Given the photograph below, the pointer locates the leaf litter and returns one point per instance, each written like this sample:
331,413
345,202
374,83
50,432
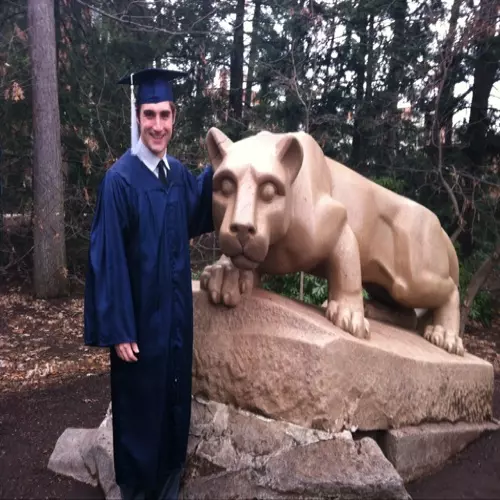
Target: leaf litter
41,341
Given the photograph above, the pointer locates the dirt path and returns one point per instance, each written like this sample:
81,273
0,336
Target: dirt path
473,474
31,421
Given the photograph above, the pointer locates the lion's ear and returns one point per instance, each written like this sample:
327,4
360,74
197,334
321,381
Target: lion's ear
217,143
290,154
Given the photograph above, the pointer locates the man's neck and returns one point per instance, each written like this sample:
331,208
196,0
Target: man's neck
147,156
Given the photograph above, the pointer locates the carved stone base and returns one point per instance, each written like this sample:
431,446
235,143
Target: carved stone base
285,360
286,392
237,454
418,451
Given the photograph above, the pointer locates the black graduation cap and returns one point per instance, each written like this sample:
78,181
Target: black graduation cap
154,85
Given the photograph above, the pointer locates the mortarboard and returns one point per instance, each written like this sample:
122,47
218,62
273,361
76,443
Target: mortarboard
154,85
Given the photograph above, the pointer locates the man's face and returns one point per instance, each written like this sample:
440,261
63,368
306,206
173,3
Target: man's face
156,122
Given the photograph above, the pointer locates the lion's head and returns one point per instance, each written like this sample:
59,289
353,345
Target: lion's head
252,192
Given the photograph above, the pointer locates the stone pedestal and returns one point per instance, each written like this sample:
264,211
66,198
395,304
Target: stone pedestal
418,451
285,360
281,397
236,454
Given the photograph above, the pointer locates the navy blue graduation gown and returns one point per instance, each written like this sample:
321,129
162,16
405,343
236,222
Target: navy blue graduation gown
138,289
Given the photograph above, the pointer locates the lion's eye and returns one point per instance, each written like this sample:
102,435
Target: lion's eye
268,191
227,187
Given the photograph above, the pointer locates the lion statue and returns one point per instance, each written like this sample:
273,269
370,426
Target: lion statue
281,206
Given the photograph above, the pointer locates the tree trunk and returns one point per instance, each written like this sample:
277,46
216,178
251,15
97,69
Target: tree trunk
329,59
357,155
296,109
450,64
253,55
237,56
486,64
485,70
398,12
201,75
1,212
476,283
50,273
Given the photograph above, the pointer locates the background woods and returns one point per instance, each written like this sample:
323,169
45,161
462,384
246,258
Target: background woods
405,92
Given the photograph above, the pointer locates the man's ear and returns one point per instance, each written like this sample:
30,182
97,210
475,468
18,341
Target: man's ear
173,109
218,144
290,154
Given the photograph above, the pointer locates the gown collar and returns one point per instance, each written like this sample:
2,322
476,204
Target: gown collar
147,157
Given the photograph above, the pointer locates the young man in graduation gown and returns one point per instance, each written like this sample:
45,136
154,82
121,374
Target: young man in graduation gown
138,297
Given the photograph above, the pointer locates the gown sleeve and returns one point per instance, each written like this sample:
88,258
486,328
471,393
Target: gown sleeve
199,200
108,305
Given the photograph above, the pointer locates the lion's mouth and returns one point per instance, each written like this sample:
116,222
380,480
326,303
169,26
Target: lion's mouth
241,261
247,257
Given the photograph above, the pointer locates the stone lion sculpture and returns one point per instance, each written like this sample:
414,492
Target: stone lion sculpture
281,206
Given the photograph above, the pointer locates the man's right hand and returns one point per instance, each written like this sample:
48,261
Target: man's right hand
127,351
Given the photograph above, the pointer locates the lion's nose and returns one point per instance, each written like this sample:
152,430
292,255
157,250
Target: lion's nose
243,231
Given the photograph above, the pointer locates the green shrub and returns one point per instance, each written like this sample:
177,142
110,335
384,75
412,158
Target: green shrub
391,183
195,275
315,289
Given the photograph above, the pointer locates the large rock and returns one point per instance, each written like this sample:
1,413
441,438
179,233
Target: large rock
70,453
285,360
87,456
235,454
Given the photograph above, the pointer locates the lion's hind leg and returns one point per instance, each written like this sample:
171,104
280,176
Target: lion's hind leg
425,277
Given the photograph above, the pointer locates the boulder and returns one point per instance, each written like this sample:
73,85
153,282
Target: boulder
87,456
284,360
236,454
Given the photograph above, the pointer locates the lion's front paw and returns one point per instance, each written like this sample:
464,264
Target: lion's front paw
225,283
446,339
348,319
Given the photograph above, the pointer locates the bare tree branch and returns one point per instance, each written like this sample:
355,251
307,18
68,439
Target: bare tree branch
446,62
142,27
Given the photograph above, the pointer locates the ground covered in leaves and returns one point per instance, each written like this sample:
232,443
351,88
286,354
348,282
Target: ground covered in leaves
50,381
41,341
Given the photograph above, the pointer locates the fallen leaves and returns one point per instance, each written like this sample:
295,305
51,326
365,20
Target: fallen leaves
484,342
41,342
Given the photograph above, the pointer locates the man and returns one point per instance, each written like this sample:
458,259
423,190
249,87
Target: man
138,297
